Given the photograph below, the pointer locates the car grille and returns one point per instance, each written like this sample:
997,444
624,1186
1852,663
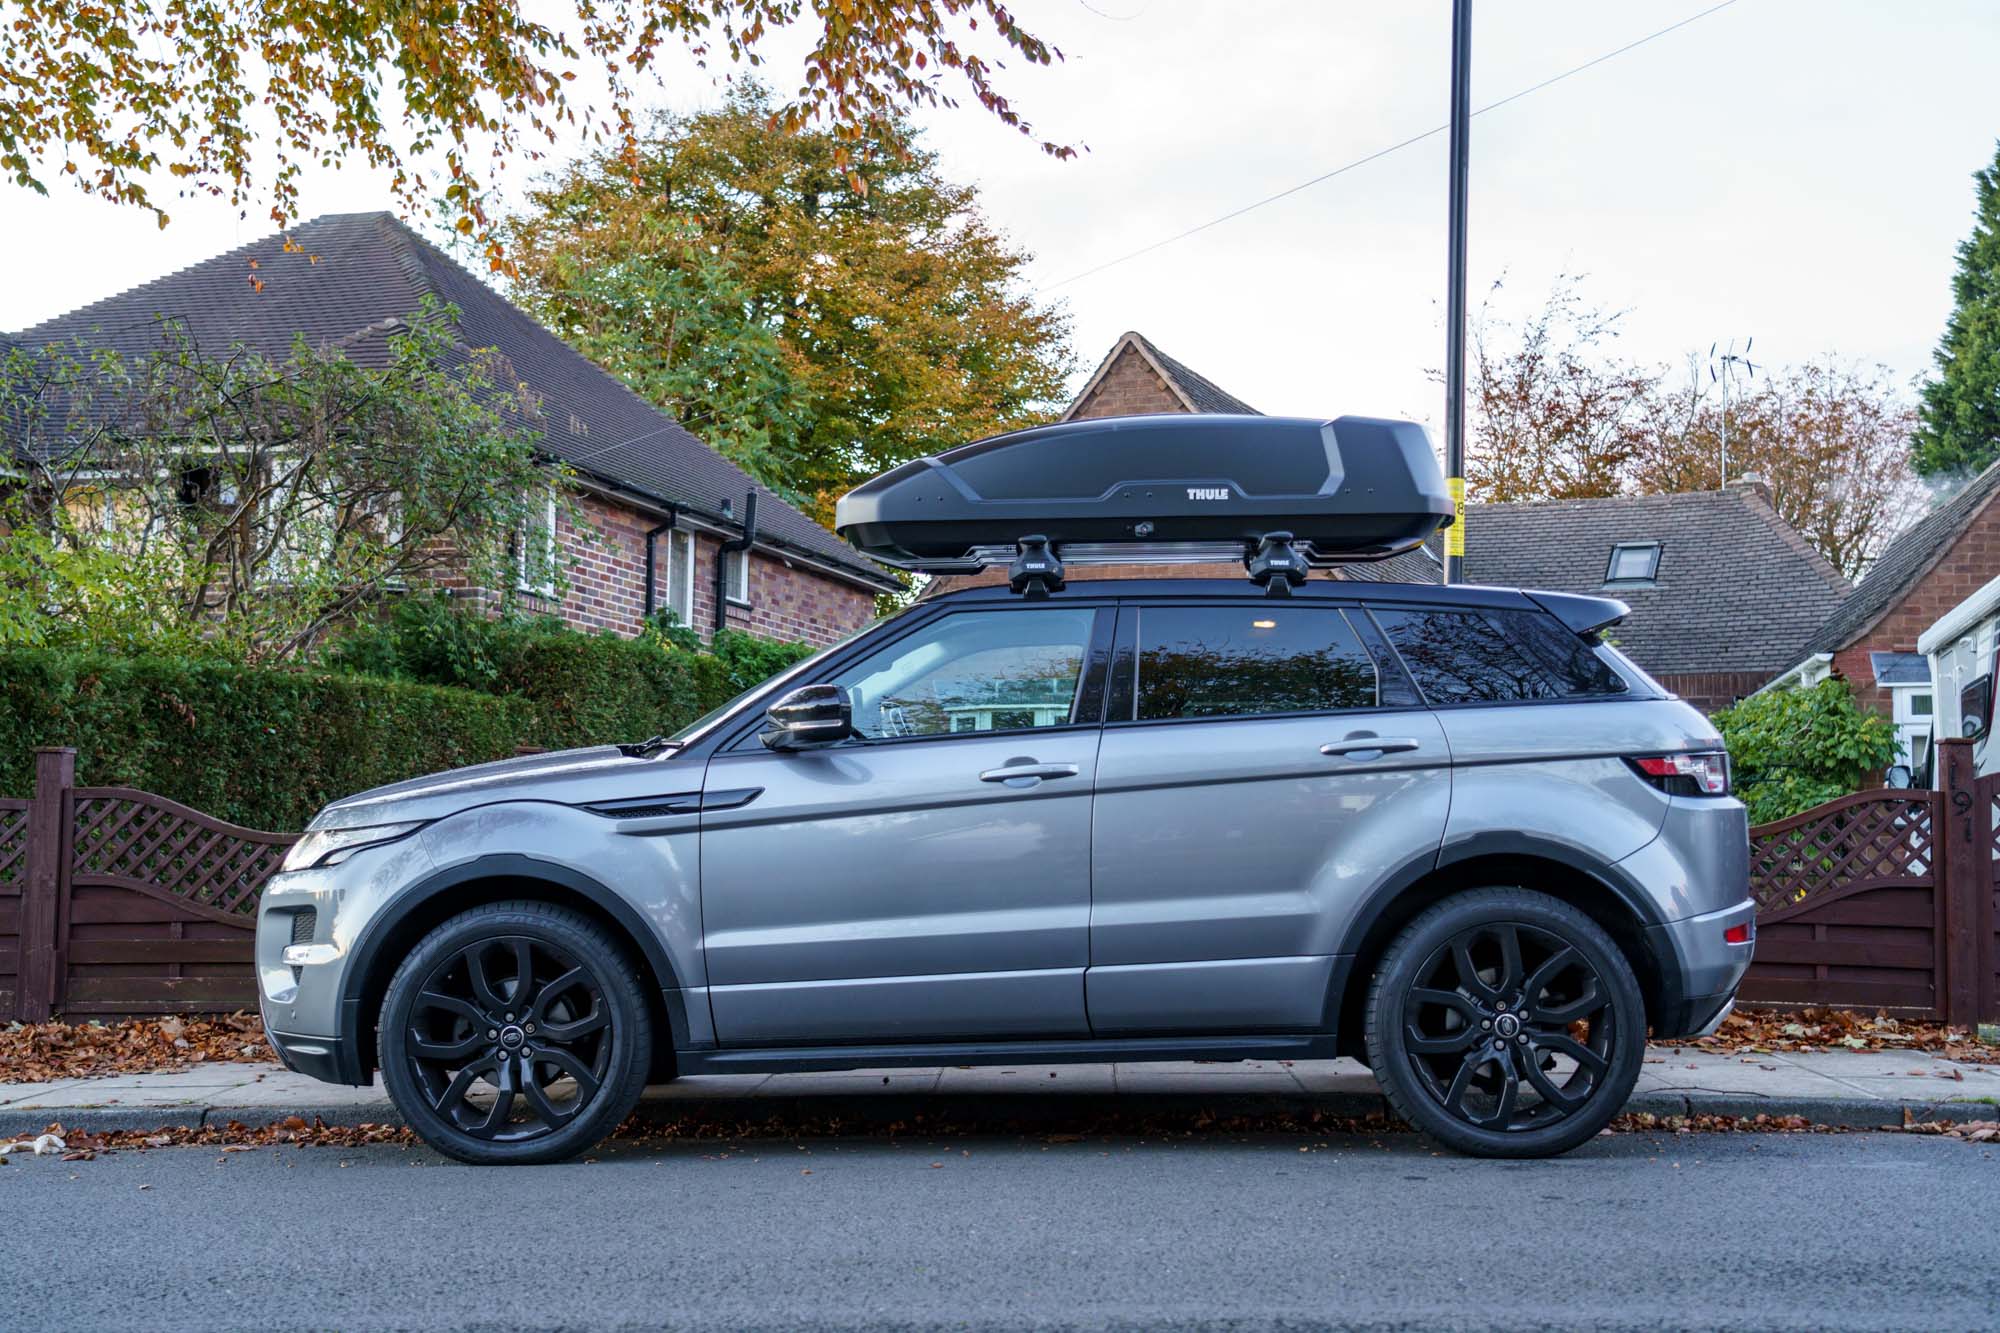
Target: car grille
304,922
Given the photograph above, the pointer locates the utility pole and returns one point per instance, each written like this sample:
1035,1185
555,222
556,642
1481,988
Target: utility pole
1454,305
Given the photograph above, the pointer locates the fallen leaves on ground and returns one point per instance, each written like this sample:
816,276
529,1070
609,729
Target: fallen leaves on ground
235,1137
45,1052
1749,1031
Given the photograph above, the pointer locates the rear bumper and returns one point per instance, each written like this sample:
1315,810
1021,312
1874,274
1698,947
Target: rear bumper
1700,969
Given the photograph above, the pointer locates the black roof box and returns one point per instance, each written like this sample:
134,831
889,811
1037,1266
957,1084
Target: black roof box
1157,488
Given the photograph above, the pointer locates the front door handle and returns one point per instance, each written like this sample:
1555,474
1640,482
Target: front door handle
1011,773
1372,746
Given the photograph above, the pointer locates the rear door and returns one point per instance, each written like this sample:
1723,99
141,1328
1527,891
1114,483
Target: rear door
929,879
1260,774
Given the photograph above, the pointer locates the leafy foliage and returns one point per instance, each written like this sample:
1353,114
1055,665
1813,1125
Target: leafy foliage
236,505
816,334
1794,749
1960,431
267,746
749,660
1556,415
111,92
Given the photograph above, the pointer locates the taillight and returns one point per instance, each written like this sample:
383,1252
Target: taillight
1701,774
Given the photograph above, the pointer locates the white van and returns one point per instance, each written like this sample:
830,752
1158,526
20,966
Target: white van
1960,650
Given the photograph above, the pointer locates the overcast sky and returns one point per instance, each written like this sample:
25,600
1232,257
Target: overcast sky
1796,170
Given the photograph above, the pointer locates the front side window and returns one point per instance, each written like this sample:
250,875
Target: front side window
1236,661
973,671
1460,657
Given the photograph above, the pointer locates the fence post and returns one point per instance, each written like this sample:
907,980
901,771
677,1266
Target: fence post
42,887
1963,875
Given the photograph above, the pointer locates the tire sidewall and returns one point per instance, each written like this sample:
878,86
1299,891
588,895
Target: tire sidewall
631,1035
1389,1057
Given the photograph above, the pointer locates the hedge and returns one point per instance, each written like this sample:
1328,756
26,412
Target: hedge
267,747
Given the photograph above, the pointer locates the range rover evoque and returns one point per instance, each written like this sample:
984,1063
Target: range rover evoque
1447,830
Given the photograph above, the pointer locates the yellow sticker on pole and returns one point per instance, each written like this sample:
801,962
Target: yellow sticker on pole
1454,536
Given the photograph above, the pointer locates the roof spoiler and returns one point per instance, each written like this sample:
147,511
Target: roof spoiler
1585,615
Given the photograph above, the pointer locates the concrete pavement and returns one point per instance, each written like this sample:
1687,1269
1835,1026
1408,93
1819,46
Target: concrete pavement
1835,1088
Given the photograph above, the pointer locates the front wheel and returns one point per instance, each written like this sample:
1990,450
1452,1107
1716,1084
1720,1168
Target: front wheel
1505,1023
515,1032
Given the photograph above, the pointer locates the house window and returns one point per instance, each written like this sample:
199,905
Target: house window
1920,705
535,550
738,587
1633,562
680,575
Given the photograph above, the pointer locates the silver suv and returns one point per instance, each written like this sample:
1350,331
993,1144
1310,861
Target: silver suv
1444,830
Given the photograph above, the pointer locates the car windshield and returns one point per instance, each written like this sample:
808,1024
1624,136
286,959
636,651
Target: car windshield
695,729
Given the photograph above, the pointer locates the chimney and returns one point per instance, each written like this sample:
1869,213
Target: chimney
1754,481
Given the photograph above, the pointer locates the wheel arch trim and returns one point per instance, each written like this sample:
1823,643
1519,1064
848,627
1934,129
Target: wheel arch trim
364,959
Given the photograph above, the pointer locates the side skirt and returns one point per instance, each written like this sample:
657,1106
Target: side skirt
795,1059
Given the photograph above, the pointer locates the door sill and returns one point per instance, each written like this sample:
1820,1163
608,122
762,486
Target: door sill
1050,1051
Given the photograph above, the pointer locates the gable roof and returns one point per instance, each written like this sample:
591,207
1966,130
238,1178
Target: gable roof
1197,393
1906,560
1736,589
350,278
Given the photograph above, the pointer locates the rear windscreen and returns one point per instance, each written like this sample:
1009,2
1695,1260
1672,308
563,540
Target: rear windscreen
1494,656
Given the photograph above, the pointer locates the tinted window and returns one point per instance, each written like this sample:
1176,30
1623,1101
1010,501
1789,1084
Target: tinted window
1228,661
1571,664
974,671
1494,656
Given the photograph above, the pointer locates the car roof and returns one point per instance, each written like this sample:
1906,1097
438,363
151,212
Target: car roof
1582,614
1429,594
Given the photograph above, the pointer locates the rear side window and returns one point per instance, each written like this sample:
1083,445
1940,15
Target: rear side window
1235,661
1460,657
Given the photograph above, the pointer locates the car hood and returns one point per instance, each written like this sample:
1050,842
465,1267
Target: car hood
570,777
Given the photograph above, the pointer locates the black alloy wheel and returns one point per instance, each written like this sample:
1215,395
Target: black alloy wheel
1506,1023
515,1033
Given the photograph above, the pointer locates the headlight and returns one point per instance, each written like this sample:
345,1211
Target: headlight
331,846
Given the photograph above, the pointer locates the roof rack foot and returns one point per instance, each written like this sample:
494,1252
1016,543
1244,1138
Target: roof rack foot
1036,571
1277,565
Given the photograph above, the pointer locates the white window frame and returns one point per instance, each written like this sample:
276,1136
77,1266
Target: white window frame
737,569
680,564
546,588
1652,574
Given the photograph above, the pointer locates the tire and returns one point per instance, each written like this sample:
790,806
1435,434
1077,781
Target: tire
1458,1058
569,1064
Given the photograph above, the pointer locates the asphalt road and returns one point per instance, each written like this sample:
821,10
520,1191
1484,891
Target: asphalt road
1635,1231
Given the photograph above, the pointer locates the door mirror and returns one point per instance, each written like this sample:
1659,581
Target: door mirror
809,715
1898,775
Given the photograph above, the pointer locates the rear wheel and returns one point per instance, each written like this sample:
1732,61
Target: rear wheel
515,1032
1505,1023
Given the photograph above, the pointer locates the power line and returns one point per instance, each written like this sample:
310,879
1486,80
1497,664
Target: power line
1380,153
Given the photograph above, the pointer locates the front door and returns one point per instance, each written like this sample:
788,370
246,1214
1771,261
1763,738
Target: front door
1258,778
930,878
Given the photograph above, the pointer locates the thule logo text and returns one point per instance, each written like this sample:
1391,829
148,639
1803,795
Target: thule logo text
1207,493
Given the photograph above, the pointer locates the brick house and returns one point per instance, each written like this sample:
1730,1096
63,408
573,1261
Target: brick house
1932,566
658,500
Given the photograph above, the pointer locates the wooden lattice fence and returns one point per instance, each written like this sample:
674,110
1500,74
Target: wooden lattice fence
1882,900
118,901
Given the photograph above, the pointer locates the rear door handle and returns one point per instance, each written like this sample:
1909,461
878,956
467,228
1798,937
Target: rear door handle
1010,772
1373,746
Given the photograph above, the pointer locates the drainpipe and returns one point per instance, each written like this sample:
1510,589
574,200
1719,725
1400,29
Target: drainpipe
652,536
727,549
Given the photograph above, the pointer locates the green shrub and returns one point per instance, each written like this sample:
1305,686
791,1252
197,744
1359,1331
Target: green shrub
750,660
257,745
430,686
1794,749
